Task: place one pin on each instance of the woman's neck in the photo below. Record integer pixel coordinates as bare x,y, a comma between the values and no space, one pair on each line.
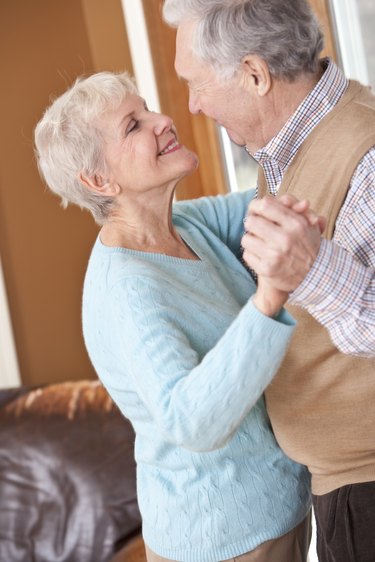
146,228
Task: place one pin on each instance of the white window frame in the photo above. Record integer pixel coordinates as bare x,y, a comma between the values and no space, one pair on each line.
349,41
9,371
140,51
229,167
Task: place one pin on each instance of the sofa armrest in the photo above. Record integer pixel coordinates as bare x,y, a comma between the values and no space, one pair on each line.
67,475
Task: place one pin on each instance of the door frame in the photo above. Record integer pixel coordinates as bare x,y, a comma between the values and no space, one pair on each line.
9,370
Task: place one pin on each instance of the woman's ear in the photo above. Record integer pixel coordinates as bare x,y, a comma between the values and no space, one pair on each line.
99,184
256,74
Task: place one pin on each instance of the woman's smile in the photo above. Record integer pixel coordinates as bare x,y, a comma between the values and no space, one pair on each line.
172,146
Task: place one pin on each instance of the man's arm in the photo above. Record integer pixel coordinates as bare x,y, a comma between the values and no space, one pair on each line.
339,291
338,288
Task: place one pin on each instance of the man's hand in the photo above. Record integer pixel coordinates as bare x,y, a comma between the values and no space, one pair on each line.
303,207
282,240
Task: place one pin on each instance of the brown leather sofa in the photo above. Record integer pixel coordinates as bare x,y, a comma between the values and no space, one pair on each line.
67,477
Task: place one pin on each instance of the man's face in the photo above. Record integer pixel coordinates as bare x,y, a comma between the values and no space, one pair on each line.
228,102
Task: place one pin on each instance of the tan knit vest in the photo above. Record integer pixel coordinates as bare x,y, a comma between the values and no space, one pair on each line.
322,402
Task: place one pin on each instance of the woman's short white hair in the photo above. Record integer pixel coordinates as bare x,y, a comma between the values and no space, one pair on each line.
68,140
284,33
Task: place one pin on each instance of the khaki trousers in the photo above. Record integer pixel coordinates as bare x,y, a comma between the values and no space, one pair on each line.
292,547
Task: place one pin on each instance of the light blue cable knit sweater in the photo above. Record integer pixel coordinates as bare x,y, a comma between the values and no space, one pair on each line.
186,356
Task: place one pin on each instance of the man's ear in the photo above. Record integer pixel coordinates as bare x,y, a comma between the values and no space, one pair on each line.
99,184
256,74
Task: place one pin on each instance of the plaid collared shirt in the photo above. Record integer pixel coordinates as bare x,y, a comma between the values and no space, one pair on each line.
339,290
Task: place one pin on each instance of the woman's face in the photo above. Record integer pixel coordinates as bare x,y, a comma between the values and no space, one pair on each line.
141,148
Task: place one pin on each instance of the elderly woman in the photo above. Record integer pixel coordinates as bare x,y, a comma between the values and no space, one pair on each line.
178,332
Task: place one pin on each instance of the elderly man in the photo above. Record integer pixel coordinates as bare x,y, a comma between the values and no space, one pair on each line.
254,67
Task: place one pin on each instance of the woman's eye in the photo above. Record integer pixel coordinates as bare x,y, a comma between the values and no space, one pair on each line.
133,124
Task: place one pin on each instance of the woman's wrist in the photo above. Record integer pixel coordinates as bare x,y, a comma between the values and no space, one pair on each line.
265,307
269,302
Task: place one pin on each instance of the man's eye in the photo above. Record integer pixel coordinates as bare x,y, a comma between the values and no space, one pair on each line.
133,124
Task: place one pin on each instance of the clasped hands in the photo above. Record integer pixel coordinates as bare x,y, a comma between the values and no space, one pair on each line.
281,242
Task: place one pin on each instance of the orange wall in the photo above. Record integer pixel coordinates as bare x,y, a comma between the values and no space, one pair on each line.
44,45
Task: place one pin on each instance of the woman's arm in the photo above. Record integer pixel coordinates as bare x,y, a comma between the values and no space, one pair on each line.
197,404
222,214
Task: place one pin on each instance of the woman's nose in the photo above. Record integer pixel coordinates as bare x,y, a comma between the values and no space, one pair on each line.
162,124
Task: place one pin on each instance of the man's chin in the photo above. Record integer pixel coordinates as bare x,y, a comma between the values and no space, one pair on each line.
236,139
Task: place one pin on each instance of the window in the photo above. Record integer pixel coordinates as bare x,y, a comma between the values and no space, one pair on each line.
242,170
366,10
353,22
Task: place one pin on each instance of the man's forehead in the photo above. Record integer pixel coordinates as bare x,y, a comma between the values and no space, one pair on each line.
186,30
186,63
183,46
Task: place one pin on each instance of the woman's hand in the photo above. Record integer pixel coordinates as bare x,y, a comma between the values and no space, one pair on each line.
282,241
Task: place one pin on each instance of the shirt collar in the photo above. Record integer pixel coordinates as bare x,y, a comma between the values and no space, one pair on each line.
311,111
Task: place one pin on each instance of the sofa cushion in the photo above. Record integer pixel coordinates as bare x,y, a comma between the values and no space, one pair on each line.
67,475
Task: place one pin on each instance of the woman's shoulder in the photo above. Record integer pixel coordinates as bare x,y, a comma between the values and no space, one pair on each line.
107,266
203,209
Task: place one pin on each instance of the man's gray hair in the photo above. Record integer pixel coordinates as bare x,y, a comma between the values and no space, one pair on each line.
284,33
69,142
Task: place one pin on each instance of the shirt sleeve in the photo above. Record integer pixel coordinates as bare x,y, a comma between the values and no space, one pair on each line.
197,404
339,290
